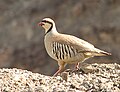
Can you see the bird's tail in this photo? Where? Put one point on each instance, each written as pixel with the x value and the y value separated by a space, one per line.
pixel 99 52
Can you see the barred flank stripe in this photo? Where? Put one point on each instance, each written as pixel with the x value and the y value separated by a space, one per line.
pixel 60 47
pixel 57 55
pixel 69 50
pixel 63 51
pixel 57 45
pixel 73 50
pixel 56 51
pixel 66 50
pixel 53 46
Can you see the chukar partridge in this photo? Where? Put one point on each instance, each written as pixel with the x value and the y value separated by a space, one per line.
pixel 66 49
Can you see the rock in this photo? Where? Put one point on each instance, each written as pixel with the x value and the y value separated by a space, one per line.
pixel 18 80
pixel 96 21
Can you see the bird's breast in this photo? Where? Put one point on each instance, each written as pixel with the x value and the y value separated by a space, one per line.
pixel 48 47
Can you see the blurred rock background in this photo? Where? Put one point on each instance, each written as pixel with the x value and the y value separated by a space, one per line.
pixel 21 40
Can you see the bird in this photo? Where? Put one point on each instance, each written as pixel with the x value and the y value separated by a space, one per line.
pixel 67 49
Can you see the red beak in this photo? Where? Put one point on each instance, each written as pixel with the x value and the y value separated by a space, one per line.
pixel 40 24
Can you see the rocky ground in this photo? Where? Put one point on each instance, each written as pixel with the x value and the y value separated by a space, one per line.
pixel 21 40
pixel 93 78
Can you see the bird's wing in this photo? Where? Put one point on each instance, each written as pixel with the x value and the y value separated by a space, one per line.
pixel 73 45
pixel 78 44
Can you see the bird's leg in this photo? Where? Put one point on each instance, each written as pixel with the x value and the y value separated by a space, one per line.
pixel 61 68
pixel 77 66
pixel 59 71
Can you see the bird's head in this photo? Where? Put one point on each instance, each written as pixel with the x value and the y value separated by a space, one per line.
pixel 47 24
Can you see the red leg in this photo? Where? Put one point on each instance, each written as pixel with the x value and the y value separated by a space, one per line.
pixel 61 67
pixel 59 71
pixel 77 66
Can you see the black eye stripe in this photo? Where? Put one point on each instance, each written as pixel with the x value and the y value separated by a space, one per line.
pixel 47 21
pixel 44 21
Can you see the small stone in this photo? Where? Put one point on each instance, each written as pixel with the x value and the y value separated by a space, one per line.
pixel 64 76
